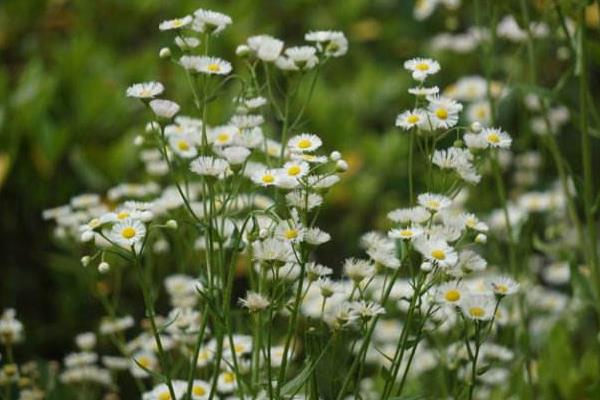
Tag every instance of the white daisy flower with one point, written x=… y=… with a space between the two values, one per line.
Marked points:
x=162 y=392
x=478 y=307
x=366 y=309
x=305 y=142
x=254 y=302
x=436 y=251
x=358 y=270
x=416 y=215
x=495 y=137
x=290 y=231
x=265 y=47
x=164 y=108
x=200 y=390
x=407 y=233
x=295 y=169
x=183 y=145
x=302 y=57
x=424 y=91
x=206 y=65
x=331 y=43
x=187 y=42
x=411 y=119
x=272 y=250
x=475 y=141
x=145 y=90
x=209 y=166
x=443 y=112
x=128 y=232
x=176 y=23
x=316 y=237
x=226 y=382
x=451 y=293
x=255 y=102
x=422 y=67
x=223 y=135
x=236 y=155
x=266 y=177
x=434 y=202
x=210 y=21
x=503 y=286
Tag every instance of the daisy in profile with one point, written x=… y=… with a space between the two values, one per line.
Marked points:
x=128 y=232
x=424 y=91
x=176 y=23
x=183 y=145
x=302 y=57
x=436 y=251
x=209 y=166
x=210 y=21
x=495 y=137
x=443 y=112
x=407 y=233
x=254 y=302
x=332 y=43
x=266 y=177
x=450 y=293
x=434 y=202
x=305 y=142
x=410 y=119
x=162 y=392
x=503 y=286
x=145 y=90
x=164 y=108
x=265 y=47
x=478 y=307
x=422 y=67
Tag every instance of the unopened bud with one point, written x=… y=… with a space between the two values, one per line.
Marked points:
x=341 y=166
x=103 y=267
x=171 y=224
x=165 y=52
x=476 y=127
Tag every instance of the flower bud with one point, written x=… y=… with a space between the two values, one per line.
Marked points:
x=139 y=140
x=341 y=166
x=87 y=236
x=85 y=260
x=103 y=267
x=152 y=126
x=165 y=52
x=480 y=238
x=476 y=127
x=426 y=266
x=335 y=156
x=171 y=224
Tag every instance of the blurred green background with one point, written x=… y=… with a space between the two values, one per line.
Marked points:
x=66 y=126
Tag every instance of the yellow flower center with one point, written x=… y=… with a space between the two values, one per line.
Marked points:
x=94 y=223
x=268 y=178
x=406 y=233
x=164 y=396
x=223 y=137
x=438 y=254
x=183 y=145
x=476 y=312
x=441 y=113
x=177 y=23
x=422 y=67
x=434 y=204
x=294 y=170
x=238 y=348
x=501 y=288
x=122 y=215
x=412 y=119
x=452 y=295
x=304 y=143
x=144 y=362
x=128 y=232
x=291 y=234
x=213 y=67
x=493 y=138
x=145 y=93
x=198 y=391
x=228 y=377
